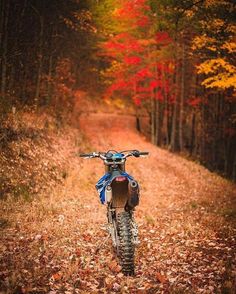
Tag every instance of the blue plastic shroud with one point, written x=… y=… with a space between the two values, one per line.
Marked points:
x=107 y=180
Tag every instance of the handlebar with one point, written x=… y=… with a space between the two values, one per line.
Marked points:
x=143 y=153
x=85 y=155
x=93 y=155
x=103 y=155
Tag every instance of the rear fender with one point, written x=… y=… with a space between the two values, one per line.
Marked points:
x=117 y=186
x=120 y=192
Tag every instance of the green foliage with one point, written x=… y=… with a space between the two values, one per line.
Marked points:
x=102 y=12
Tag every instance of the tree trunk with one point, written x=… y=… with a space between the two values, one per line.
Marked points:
x=231 y=157
x=2 y=6
x=192 y=140
x=49 y=83
x=14 y=71
x=4 y=37
x=2 y=9
x=182 y=95
x=165 y=113
x=157 y=119
x=202 y=135
x=153 y=134
x=138 y=126
x=174 y=138
x=173 y=129
x=176 y=80
x=40 y=62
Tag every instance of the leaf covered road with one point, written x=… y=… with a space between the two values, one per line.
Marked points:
x=186 y=217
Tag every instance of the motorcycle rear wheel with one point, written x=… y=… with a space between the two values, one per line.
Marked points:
x=126 y=246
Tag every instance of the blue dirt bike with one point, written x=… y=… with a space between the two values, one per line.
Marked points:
x=120 y=192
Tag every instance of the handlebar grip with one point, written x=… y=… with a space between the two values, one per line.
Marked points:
x=137 y=153
x=85 y=155
x=143 y=153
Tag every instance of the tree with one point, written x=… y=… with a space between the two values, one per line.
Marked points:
x=138 y=67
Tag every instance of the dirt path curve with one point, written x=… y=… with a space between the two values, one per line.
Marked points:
x=186 y=243
x=57 y=243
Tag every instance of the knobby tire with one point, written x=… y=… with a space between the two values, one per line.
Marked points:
x=126 y=246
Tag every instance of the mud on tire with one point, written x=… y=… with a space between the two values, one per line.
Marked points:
x=126 y=246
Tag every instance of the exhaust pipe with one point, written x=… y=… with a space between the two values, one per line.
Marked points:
x=133 y=199
x=108 y=194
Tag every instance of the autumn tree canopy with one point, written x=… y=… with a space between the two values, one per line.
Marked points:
x=174 y=60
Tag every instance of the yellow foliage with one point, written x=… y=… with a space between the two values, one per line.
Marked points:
x=212 y=48
x=222 y=81
x=209 y=3
x=223 y=74
x=229 y=46
x=216 y=25
x=119 y=103
x=219 y=70
x=231 y=28
x=212 y=65
x=189 y=13
x=202 y=41
x=114 y=68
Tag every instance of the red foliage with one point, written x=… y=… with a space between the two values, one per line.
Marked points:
x=137 y=100
x=163 y=37
x=119 y=85
x=143 y=89
x=114 y=45
x=122 y=36
x=155 y=83
x=145 y=95
x=122 y=43
x=144 y=73
x=159 y=96
x=195 y=101
x=172 y=99
x=127 y=49
x=134 y=45
x=132 y=60
x=132 y=9
x=143 y=21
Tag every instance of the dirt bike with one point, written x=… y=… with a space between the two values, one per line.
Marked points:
x=120 y=192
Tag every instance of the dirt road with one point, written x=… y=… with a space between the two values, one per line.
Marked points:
x=184 y=214
x=185 y=219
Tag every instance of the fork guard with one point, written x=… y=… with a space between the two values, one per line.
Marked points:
x=108 y=178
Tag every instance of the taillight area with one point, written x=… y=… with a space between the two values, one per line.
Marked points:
x=120 y=179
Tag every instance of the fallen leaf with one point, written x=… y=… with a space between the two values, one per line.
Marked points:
x=56 y=276
x=161 y=278
x=116 y=286
x=114 y=266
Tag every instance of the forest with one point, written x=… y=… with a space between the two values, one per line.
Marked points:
x=93 y=75
x=174 y=61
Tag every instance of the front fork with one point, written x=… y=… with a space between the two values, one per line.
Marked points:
x=111 y=226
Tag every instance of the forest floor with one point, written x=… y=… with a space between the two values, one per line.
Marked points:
x=57 y=242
